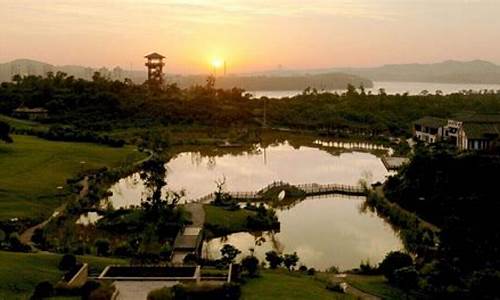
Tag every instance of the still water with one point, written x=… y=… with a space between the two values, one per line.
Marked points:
x=323 y=231
x=394 y=87
x=196 y=173
x=327 y=231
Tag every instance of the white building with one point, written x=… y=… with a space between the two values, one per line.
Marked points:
x=470 y=132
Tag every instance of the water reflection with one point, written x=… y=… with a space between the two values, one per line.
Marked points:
x=323 y=231
x=89 y=218
x=252 y=170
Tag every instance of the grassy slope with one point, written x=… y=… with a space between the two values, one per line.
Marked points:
x=20 y=272
x=234 y=221
x=22 y=124
x=376 y=285
x=32 y=168
x=282 y=285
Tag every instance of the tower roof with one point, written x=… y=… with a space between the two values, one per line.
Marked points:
x=154 y=55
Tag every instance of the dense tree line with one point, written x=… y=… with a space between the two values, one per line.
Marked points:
x=356 y=111
x=102 y=104
x=458 y=192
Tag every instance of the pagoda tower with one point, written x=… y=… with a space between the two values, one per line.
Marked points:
x=155 y=69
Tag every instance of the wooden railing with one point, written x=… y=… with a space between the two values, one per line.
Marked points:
x=309 y=189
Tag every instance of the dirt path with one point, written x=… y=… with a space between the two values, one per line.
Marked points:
x=26 y=236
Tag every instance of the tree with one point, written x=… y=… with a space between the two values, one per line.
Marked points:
x=229 y=253
x=251 y=265
x=393 y=261
x=274 y=259
x=406 y=278
x=290 y=260
x=4 y=132
x=102 y=247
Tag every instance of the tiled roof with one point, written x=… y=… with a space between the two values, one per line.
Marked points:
x=431 y=122
x=481 y=130
x=154 y=55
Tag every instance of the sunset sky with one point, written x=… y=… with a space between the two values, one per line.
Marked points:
x=249 y=34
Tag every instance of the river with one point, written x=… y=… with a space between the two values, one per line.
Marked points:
x=324 y=231
x=397 y=87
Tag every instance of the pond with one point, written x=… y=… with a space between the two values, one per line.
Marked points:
x=196 y=173
x=323 y=231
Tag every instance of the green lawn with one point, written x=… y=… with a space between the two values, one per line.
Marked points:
x=229 y=221
x=280 y=284
x=376 y=285
x=23 y=124
x=31 y=169
x=21 y=272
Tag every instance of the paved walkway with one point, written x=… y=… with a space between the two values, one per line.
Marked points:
x=26 y=236
x=190 y=234
x=139 y=290
x=197 y=214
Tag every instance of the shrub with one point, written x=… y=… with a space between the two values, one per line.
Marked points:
x=228 y=291
x=166 y=251
x=160 y=294
x=102 y=293
x=290 y=260
x=229 y=253
x=274 y=259
x=68 y=262
x=303 y=268
x=251 y=265
x=2 y=235
x=366 y=268
x=393 y=261
x=38 y=236
x=102 y=247
x=190 y=259
x=43 y=289
x=122 y=250
x=88 y=288
x=406 y=278
x=336 y=287
x=311 y=272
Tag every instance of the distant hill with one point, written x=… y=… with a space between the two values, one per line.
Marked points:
x=476 y=71
x=450 y=71
x=33 y=67
x=324 y=81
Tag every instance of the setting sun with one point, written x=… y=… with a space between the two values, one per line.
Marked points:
x=217 y=63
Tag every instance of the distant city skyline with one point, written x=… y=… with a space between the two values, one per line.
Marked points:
x=249 y=35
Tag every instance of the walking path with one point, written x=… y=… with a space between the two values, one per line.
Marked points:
x=26 y=236
x=190 y=239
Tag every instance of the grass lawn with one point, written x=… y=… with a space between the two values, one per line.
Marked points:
x=31 y=169
x=227 y=221
x=280 y=284
x=21 y=272
x=376 y=285
x=23 y=124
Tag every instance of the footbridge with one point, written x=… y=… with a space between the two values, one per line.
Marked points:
x=310 y=189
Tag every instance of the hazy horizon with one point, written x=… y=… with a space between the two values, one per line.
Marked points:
x=249 y=35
